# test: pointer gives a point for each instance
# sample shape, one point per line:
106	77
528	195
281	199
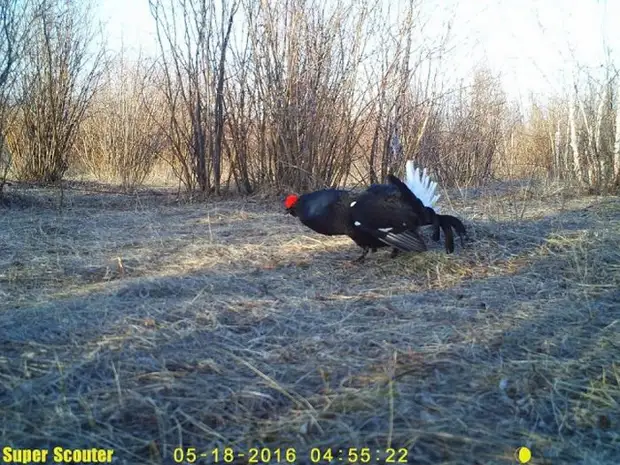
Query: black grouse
383	215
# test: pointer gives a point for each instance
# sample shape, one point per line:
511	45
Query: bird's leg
363	256
394	253
448	238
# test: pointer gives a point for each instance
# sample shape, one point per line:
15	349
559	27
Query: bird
383	215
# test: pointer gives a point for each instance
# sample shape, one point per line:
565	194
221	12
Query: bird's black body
328	212
381	216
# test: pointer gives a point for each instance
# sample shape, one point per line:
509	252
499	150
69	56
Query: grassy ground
141	324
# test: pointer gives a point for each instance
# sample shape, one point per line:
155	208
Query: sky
533	44
129	22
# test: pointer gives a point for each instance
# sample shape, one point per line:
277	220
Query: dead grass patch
140	324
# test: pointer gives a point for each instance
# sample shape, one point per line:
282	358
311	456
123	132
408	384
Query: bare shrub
528	146
57	83
5	162
302	108
13	38
298	95
120	139
192	70
594	132
406	91
471	124
575	137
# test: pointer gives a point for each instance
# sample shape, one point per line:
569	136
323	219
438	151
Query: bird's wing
407	241
389	219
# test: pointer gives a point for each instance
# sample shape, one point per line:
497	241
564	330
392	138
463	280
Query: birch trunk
599	157
557	158
616	168
574	143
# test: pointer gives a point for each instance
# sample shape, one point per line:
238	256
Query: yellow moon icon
524	455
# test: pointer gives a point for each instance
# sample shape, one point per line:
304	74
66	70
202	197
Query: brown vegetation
288	96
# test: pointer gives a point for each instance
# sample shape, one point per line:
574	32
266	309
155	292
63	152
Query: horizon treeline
281	95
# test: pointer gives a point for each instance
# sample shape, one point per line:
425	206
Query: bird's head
290	203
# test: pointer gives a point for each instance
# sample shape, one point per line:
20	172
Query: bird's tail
447	223
419	182
423	200
456	224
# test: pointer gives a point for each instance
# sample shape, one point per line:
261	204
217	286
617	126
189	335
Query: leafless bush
575	137
304	99
594	132
302	108
471	131
527	147
56	85
120	139
192	65
13	34
5	162
407	91
295	95
12	38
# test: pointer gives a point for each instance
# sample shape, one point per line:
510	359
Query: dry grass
140	324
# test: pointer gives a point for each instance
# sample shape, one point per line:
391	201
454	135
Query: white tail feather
419	182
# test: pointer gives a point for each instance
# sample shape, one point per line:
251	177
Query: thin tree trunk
616	167
219	108
599	158
199	145
577	168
